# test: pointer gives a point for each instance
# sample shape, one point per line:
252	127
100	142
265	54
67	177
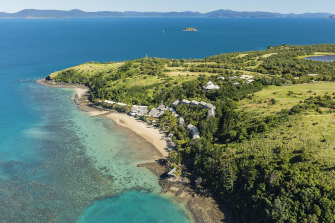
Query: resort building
204	104
185	102
139	110
249	81
109	102
211	86
210	106
175	103
174	113
193	102
172	173
246	77
210	113
193	131
121	104
157	112
181	121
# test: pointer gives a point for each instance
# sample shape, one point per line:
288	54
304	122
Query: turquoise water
57	164
125	208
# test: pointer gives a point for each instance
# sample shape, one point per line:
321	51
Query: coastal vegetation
269	151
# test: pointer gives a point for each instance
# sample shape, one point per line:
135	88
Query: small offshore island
190	29
248	134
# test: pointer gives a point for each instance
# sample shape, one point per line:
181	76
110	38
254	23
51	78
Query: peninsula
255	130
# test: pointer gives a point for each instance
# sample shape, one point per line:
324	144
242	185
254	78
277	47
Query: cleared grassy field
312	133
90	69
285	97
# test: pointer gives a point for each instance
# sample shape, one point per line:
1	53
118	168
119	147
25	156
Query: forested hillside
269	151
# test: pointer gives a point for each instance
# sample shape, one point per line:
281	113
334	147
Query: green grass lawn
285	96
90	69
309	131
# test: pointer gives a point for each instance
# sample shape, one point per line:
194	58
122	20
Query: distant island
190	29
76	13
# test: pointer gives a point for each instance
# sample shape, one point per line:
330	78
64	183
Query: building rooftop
194	102
139	110
109	102
246	77
181	121
184	101
194	131
121	104
211	86
176	102
210	113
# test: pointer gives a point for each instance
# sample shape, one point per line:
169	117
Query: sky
283	6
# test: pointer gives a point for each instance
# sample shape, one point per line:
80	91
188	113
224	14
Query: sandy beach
201	205
150	133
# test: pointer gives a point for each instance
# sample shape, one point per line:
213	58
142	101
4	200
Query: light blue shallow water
52	156
126	208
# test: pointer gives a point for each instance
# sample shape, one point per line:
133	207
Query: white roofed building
194	131
185	102
109	102
210	86
139	110
121	104
175	103
210	113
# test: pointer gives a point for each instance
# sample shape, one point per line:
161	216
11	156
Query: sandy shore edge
201	206
150	133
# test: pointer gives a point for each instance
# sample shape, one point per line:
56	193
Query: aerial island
190	29
253	129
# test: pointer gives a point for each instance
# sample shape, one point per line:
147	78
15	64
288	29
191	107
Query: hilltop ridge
76	13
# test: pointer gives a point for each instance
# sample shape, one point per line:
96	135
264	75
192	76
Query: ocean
57	164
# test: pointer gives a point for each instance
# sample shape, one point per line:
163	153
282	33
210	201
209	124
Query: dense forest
242	155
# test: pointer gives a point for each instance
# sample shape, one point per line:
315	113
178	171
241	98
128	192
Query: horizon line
68	10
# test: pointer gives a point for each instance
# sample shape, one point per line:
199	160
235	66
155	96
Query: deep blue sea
57	164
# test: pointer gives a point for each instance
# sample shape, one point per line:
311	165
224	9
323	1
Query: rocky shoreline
199	202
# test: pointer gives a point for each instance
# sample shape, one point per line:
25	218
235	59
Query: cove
134	206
